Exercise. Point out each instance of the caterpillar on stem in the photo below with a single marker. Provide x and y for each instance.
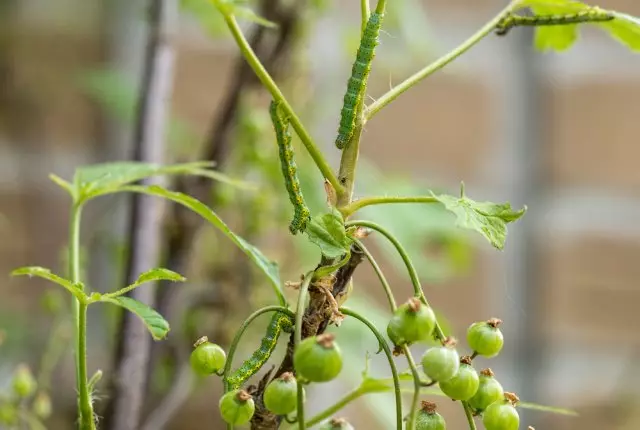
(289, 169)
(593, 14)
(357, 84)
(253, 364)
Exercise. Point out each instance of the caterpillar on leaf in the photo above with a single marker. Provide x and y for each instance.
(593, 14)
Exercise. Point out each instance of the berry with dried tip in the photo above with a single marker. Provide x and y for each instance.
(441, 363)
(281, 395)
(207, 358)
(464, 384)
(489, 391)
(429, 419)
(237, 407)
(337, 424)
(502, 415)
(24, 384)
(411, 322)
(485, 338)
(318, 358)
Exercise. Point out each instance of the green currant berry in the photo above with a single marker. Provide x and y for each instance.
(337, 424)
(502, 415)
(42, 406)
(318, 359)
(8, 414)
(24, 385)
(485, 338)
(207, 358)
(281, 395)
(441, 363)
(411, 322)
(489, 391)
(237, 407)
(429, 419)
(464, 384)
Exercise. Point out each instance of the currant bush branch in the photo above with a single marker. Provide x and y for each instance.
(395, 92)
(277, 95)
(413, 274)
(369, 201)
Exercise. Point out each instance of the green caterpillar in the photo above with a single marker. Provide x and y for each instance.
(253, 364)
(591, 15)
(289, 169)
(358, 81)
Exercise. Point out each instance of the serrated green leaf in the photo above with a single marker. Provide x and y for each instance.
(45, 273)
(155, 323)
(488, 219)
(625, 29)
(328, 233)
(267, 266)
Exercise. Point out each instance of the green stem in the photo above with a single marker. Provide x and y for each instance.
(413, 274)
(365, 11)
(381, 6)
(437, 65)
(469, 415)
(411, 423)
(297, 338)
(383, 279)
(272, 87)
(240, 332)
(379, 200)
(387, 351)
(80, 318)
(331, 410)
(348, 164)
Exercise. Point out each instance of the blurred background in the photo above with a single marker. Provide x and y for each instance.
(554, 132)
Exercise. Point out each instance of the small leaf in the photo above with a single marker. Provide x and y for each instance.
(155, 323)
(63, 184)
(249, 15)
(267, 266)
(328, 232)
(488, 219)
(44, 273)
(159, 274)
